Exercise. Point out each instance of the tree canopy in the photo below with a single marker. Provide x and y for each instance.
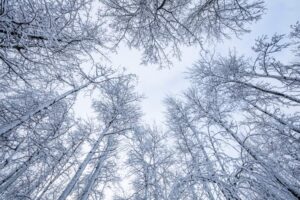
(233, 135)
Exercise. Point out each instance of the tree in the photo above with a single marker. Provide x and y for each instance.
(151, 162)
(28, 149)
(202, 163)
(159, 28)
(251, 106)
(41, 154)
(118, 113)
(45, 40)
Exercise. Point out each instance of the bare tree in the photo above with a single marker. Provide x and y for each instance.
(46, 40)
(200, 156)
(29, 149)
(159, 28)
(150, 162)
(118, 113)
(249, 105)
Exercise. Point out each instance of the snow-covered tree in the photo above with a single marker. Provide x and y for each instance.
(44, 150)
(150, 162)
(204, 173)
(46, 40)
(233, 135)
(117, 113)
(243, 113)
(161, 27)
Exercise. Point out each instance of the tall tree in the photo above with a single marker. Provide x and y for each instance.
(249, 106)
(150, 162)
(160, 28)
(45, 40)
(201, 161)
(118, 112)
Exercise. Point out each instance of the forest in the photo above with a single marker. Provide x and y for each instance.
(233, 134)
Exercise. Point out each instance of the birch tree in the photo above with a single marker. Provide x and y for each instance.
(28, 150)
(204, 172)
(160, 28)
(117, 112)
(28, 153)
(250, 105)
(150, 162)
(45, 40)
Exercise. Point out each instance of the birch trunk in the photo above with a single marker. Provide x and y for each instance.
(47, 175)
(4, 130)
(293, 191)
(12, 177)
(82, 166)
(92, 178)
(268, 91)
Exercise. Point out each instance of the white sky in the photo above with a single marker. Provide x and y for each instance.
(156, 84)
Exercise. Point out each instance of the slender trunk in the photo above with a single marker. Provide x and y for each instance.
(293, 192)
(92, 178)
(46, 188)
(227, 193)
(12, 177)
(4, 130)
(195, 160)
(210, 167)
(83, 165)
(41, 180)
(269, 91)
(281, 121)
(280, 78)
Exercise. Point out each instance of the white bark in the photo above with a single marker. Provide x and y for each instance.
(82, 166)
(281, 121)
(290, 189)
(268, 91)
(12, 177)
(92, 178)
(4, 130)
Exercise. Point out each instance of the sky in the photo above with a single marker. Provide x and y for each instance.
(155, 84)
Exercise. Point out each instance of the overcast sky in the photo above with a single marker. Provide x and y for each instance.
(156, 84)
